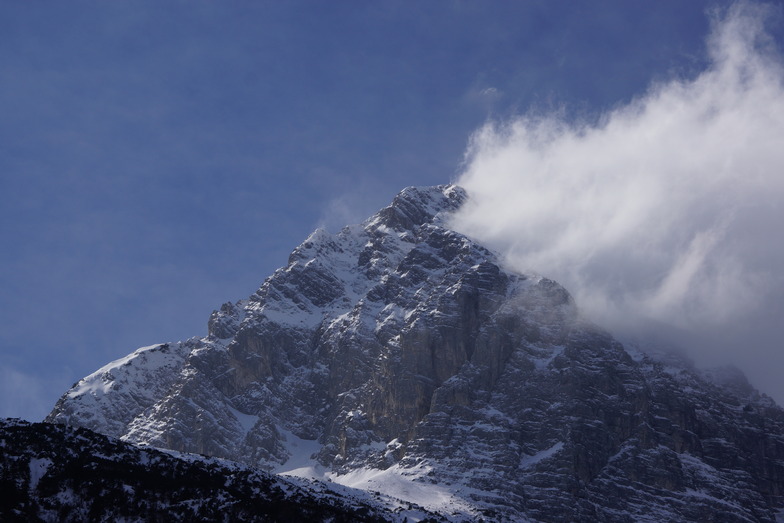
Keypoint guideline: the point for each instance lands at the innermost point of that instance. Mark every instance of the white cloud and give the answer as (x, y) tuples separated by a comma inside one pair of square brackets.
[(667, 209)]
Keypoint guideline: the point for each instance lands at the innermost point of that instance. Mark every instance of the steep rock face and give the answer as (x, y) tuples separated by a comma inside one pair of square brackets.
[(400, 344)]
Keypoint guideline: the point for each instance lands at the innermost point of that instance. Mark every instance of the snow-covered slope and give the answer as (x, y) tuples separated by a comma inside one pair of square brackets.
[(400, 356)]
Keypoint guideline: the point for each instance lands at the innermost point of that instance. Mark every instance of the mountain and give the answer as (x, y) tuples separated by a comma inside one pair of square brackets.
[(400, 356), (55, 473)]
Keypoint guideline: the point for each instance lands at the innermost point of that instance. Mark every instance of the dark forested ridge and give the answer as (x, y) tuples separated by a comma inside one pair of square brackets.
[(56, 473)]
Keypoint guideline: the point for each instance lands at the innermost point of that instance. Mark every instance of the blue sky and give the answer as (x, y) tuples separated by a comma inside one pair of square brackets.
[(160, 158)]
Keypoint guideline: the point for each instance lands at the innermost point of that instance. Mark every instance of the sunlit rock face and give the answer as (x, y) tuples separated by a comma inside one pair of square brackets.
[(401, 345)]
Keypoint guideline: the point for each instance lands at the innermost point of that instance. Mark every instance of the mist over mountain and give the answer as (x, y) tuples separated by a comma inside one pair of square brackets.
[(402, 357), (662, 215)]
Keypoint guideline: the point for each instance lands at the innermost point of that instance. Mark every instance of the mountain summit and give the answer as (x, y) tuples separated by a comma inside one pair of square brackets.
[(399, 355)]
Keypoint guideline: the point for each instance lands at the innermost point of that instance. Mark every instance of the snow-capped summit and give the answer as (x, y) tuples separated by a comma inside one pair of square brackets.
[(400, 356)]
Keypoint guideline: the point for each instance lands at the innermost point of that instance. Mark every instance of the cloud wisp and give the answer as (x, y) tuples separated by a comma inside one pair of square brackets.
[(670, 206)]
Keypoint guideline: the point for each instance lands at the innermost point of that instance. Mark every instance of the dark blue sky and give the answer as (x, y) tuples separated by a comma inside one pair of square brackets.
[(160, 158)]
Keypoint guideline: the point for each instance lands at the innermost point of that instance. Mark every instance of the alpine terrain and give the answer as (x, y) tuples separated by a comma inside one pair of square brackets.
[(400, 356)]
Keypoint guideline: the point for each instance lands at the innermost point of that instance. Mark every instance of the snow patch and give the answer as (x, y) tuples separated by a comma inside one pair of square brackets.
[(405, 484), (301, 462), (246, 421), (530, 461), (38, 468), (101, 381), (542, 363)]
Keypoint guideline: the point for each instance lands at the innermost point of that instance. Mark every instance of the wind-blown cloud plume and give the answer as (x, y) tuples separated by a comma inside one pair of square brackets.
[(671, 206), (666, 211)]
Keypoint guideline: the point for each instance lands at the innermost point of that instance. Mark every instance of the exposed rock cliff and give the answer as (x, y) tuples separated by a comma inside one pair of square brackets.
[(403, 346)]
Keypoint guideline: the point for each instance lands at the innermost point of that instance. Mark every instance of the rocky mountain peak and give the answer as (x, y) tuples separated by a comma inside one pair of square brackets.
[(400, 354), (415, 206)]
